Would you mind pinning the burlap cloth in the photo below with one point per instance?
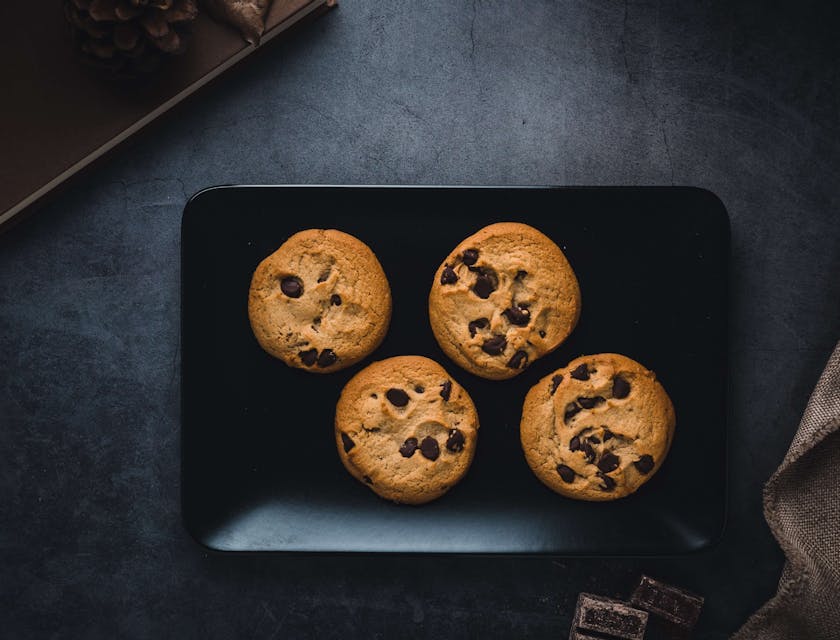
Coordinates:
(802, 507)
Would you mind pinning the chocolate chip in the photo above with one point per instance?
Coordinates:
(588, 451)
(347, 441)
(594, 440)
(517, 315)
(555, 382)
(367, 479)
(327, 358)
(609, 483)
(397, 397)
(542, 334)
(429, 448)
(494, 346)
(621, 388)
(419, 389)
(580, 373)
(566, 473)
(470, 256)
(590, 403)
(335, 300)
(574, 444)
(324, 275)
(408, 447)
(455, 441)
(485, 284)
(292, 286)
(518, 360)
(445, 390)
(448, 276)
(608, 462)
(475, 325)
(644, 464)
(308, 357)
(571, 410)
(520, 275)
(608, 435)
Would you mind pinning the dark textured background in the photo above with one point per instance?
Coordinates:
(740, 98)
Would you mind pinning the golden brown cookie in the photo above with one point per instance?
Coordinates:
(406, 429)
(503, 298)
(321, 302)
(597, 429)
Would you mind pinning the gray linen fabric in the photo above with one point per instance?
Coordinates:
(802, 507)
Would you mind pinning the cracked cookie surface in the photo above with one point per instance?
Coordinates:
(597, 429)
(503, 298)
(405, 429)
(321, 302)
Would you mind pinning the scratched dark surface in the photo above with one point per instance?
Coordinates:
(742, 98)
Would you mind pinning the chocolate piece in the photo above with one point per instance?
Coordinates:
(594, 440)
(608, 435)
(571, 410)
(542, 334)
(335, 300)
(621, 388)
(469, 256)
(430, 448)
(445, 390)
(397, 397)
(475, 325)
(608, 483)
(612, 618)
(494, 346)
(574, 444)
(644, 464)
(448, 276)
(566, 473)
(408, 447)
(308, 357)
(485, 284)
(517, 315)
(677, 606)
(520, 275)
(327, 358)
(324, 275)
(292, 286)
(419, 389)
(455, 441)
(590, 403)
(347, 441)
(580, 373)
(588, 452)
(555, 382)
(609, 462)
(518, 360)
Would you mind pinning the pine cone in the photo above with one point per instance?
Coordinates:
(130, 36)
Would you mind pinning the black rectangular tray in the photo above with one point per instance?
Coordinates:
(259, 467)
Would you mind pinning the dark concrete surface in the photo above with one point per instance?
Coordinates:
(740, 98)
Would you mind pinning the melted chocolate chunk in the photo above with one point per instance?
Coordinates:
(475, 325)
(542, 334)
(485, 283)
(429, 448)
(347, 441)
(644, 464)
(608, 483)
(555, 382)
(590, 403)
(518, 360)
(571, 410)
(574, 444)
(397, 397)
(580, 373)
(324, 275)
(448, 276)
(335, 300)
(608, 462)
(327, 358)
(419, 389)
(308, 357)
(621, 388)
(445, 390)
(520, 275)
(588, 452)
(518, 315)
(608, 435)
(469, 256)
(408, 447)
(594, 440)
(455, 441)
(292, 286)
(494, 346)
(566, 473)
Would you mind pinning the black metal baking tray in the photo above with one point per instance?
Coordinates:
(259, 466)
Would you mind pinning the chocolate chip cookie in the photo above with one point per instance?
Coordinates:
(406, 429)
(321, 302)
(503, 298)
(597, 429)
